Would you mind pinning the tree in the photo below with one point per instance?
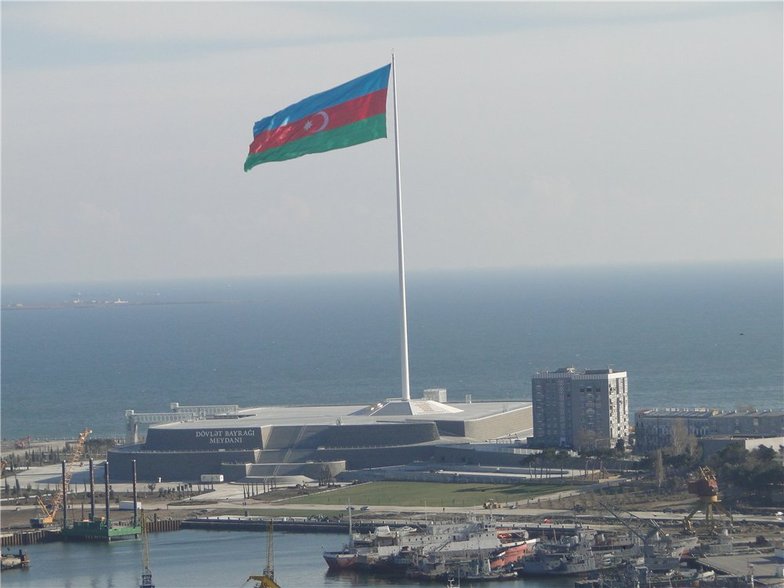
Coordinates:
(682, 441)
(750, 475)
(764, 453)
(658, 467)
(732, 454)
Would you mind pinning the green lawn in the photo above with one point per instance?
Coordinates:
(426, 494)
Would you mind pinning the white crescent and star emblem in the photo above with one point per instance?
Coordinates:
(309, 124)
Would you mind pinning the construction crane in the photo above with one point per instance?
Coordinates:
(705, 486)
(146, 573)
(267, 579)
(49, 513)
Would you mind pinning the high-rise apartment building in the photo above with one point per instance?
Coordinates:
(588, 409)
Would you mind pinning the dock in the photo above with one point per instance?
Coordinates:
(766, 569)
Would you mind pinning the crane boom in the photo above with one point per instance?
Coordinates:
(146, 573)
(267, 579)
(49, 514)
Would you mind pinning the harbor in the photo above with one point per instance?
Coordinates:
(300, 560)
(410, 545)
(229, 558)
(486, 539)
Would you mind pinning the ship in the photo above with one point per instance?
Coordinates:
(568, 556)
(588, 552)
(366, 551)
(511, 551)
(11, 561)
(662, 552)
(340, 560)
(434, 550)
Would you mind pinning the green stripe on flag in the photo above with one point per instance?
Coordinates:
(361, 131)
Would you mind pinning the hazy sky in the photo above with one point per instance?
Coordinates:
(530, 133)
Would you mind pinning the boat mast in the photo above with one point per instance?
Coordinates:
(350, 528)
(406, 388)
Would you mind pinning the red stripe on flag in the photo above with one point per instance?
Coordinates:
(324, 120)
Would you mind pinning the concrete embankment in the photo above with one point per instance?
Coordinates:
(33, 537)
(303, 525)
(293, 525)
(29, 537)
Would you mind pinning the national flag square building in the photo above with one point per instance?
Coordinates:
(349, 114)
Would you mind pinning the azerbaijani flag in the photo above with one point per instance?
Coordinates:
(352, 113)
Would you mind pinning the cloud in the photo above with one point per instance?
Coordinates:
(90, 32)
(229, 22)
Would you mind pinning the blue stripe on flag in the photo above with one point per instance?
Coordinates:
(371, 82)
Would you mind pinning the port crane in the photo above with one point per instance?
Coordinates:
(49, 513)
(705, 486)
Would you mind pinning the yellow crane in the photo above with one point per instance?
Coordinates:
(264, 582)
(146, 573)
(267, 579)
(49, 513)
(704, 484)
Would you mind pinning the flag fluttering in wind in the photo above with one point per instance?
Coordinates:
(352, 113)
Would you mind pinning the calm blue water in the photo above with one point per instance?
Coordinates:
(690, 335)
(195, 559)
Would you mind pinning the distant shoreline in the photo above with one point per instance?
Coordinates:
(109, 304)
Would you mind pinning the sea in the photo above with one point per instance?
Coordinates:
(209, 559)
(78, 356)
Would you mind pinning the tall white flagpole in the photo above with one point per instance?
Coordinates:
(406, 387)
